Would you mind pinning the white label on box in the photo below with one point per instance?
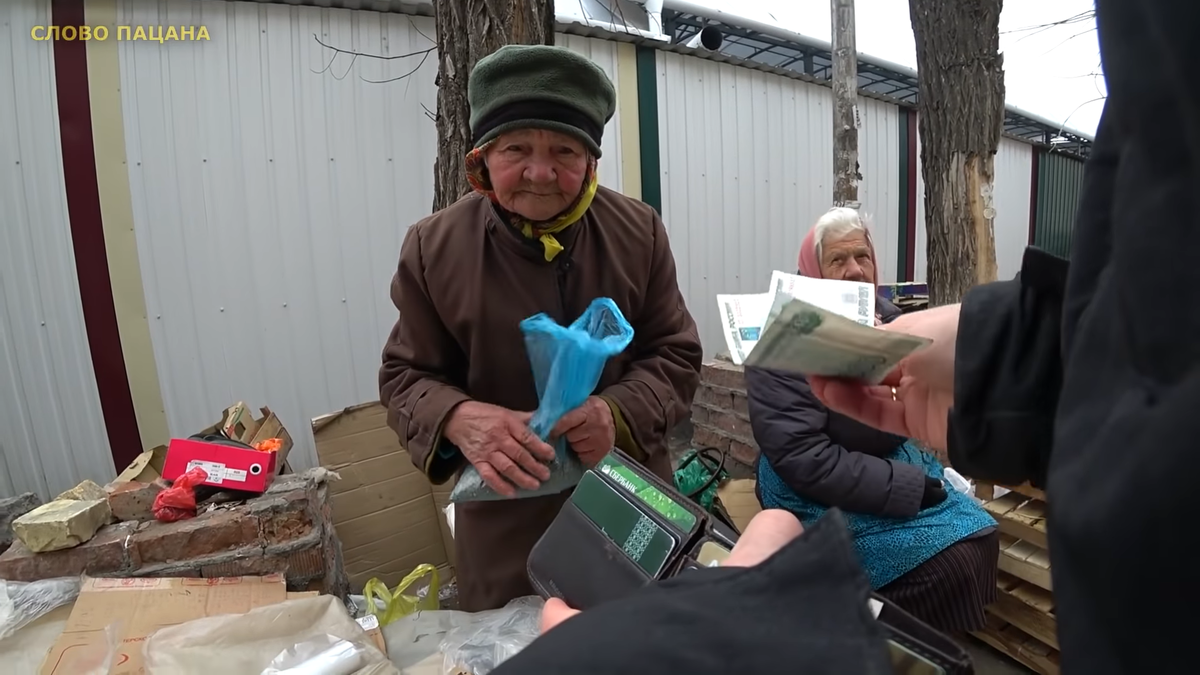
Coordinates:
(215, 470)
(368, 622)
(235, 475)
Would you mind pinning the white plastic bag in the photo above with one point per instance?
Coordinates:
(23, 603)
(322, 655)
(251, 642)
(957, 481)
(492, 637)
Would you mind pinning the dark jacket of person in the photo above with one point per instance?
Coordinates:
(464, 283)
(1087, 380)
(825, 456)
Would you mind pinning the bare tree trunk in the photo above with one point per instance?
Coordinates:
(961, 77)
(468, 30)
(845, 105)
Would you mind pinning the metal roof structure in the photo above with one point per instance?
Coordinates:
(746, 41)
(814, 59)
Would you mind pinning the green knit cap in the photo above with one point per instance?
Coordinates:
(540, 87)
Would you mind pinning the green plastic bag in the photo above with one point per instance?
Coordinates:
(699, 475)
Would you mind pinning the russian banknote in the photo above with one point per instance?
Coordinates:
(803, 338)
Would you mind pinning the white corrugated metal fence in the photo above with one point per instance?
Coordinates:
(52, 432)
(272, 185)
(747, 168)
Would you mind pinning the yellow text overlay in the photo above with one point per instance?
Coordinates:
(123, 33)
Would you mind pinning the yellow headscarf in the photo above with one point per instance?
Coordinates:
(543, 231)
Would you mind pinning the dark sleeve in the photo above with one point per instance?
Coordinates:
(721, 621)
(656, 391)
(1008, 374)
(420, 359)
(1013, 337)
(789, 426)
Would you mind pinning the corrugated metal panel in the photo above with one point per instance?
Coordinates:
(271, 190)
(52, 432)
(747, 164)
(604, 54)
(1060, 180)
(1010, 194)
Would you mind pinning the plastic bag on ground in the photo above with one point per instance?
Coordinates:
(23, 603)
(179, 501)
(391, 605)
(321, 655)
(492, 637)
(567, 362)
(251, 642)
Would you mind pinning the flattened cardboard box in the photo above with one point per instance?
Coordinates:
(386, 513)
(137, 607)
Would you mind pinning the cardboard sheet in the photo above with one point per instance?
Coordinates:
(386, 513)
(140, 606)
(740, 501)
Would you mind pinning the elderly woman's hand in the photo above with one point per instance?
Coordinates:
(498, 443)
(590, 429)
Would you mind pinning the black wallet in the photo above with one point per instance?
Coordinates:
(637, 529)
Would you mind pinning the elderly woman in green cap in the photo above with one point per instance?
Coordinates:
(538, 234)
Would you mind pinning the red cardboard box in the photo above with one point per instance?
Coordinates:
(228, 467)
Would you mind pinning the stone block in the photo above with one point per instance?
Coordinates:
(283, 516)
(106, 554)
(732, 424)
(723, 374)
(707, 437)
(87, 491)
(209, 533)
(11, 509)
(61, 524)
(714, 397)
(741, 404)
(746, 453)
(133, 500)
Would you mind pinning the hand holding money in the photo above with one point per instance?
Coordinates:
(802, 338)
(923, 382)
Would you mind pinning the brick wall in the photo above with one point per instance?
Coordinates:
(287, 530)
(720, 417)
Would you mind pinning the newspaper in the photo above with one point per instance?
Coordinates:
(742, 321)
(812, 326)
(851, 299)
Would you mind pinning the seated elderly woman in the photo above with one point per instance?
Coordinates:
(930, 549)
(538, 234)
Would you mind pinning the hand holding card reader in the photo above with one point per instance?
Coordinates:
(623, 528)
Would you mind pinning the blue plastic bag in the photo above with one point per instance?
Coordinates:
(567, 362)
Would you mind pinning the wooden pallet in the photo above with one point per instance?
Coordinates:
(1026, 606)
(985, 490)
(1019, 646)
(1025, 561)
(1020, 516)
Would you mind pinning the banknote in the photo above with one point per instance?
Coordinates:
(803, 338)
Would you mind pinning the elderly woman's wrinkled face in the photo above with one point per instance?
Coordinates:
(847, 259)
(536, 173)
